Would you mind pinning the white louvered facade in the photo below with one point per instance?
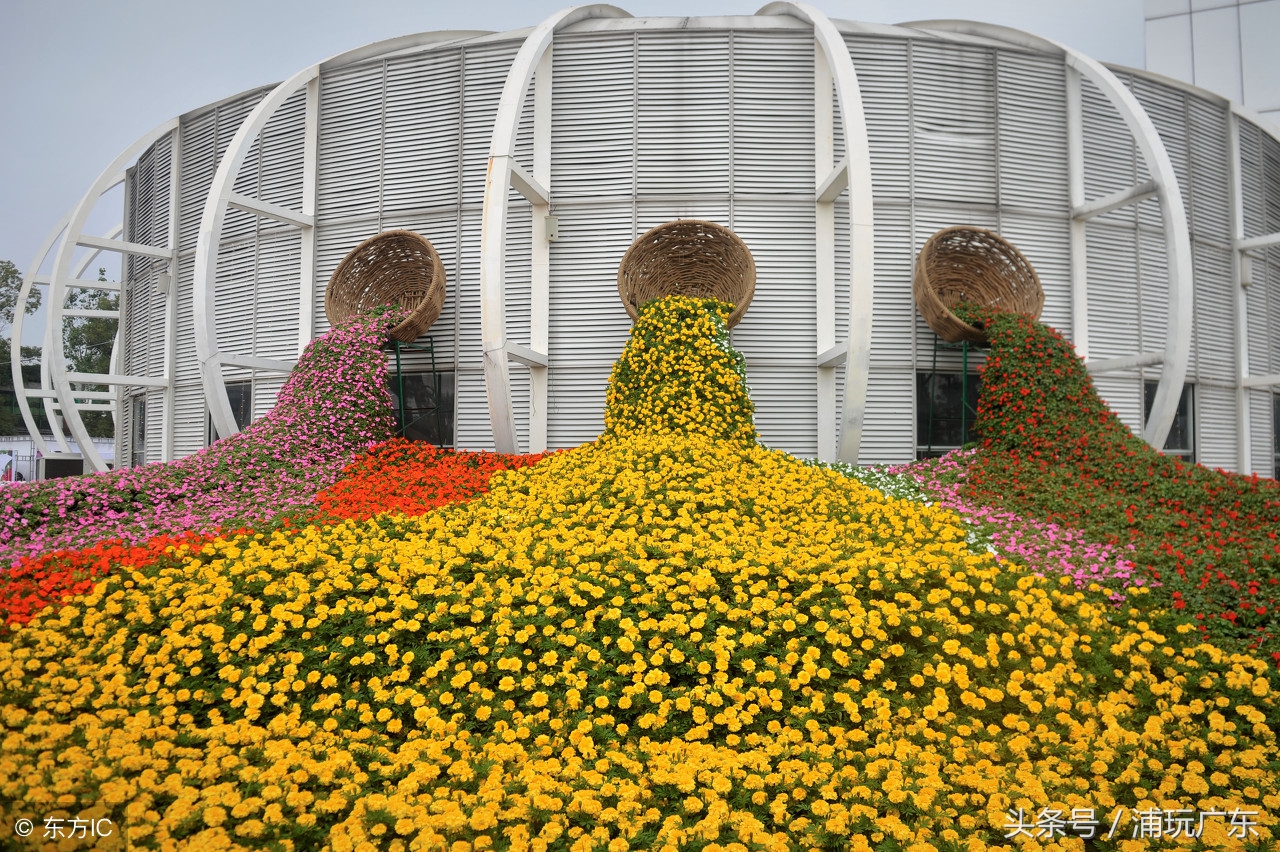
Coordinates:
(648, 120)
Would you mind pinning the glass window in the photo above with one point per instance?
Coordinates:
(428, 406)
(241, 396)
(1275, 434)
(1215, 40)
(138, 441)
(1181, 440)
(945, 411)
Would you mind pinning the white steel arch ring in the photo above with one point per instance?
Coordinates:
(220, 193)
(857, 354)
(15, 351)
(15, 354)
(61, 274)
(493, 221)
(1177, 353)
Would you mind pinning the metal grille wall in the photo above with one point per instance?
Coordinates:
(204, 139)
(1194, 132)
(204, 135)
(1127, 298)
(960, 135)
(651, 124)
(147, 219)
(404, 143)
(258, 283)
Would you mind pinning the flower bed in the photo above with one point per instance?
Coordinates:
(1045, 548)
(409, 478)
(32, 584)
(334, 405)
(669, 638)
(679, 375)
(396, 476)
(1054, 451)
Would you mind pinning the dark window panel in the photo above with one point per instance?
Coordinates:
(946, 406)
(1181, 440)
(428, 409)
(240, 395)
(139, 440)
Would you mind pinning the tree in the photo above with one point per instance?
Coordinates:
(10, 286)
(87, 342)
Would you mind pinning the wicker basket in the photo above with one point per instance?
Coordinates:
(688, 257)
(394, 267)
(975, 266)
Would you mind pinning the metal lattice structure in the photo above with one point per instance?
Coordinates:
(532, 159)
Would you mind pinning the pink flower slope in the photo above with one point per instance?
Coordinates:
(333, 406)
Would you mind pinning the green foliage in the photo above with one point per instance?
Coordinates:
(87, 342)
(11, 422)
(679, 374)
(10, 284)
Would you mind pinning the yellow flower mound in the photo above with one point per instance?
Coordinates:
(679, 375)
(657, 641)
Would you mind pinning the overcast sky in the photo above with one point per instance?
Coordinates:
(82, 79)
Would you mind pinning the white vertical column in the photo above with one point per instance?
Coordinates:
(307, 262)
(1239, 299)
(115, 364)
(169, 412)
(540, 277)
(855, 174)
(1078, 243)
(825, 243)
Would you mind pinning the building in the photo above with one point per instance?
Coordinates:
(1226, 46)
(531, 159)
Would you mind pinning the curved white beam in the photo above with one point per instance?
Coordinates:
(1177, 350)
(493, 221)
(58, 288)
(15, 347)
(221, 194)
(857, 163)
(29, 280)
(53, 337)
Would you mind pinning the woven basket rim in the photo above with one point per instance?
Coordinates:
(737, 245)
(427, 308)
(937, 314)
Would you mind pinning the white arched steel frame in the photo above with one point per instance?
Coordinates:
(45, 392)
(504, 173)
(98, 400)
(833, 65)
(1163, 186)
(21, 393)
(222, 195)
(61, 278)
